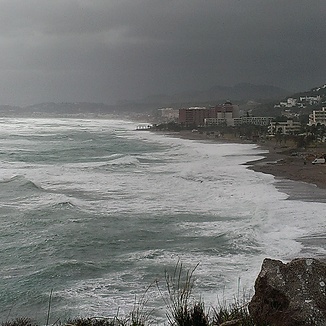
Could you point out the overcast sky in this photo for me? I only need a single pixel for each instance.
(109, 50)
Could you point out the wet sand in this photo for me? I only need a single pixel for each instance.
(283, 162)
(287, 163)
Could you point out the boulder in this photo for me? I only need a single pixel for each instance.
(291, 294)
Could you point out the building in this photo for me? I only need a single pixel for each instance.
(237, 121)
(257, 121)
(300, 102)
(288, 127)
(291, 102)
(193, 116)
(317, 117)
(223, 115)
(201, 116)
(311, 100)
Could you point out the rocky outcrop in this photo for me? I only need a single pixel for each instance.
(291, 294)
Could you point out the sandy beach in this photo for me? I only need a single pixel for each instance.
(291, 164)
(283, 162)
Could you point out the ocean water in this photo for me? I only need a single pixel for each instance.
(97, 212)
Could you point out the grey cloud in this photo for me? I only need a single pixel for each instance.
(106, 50)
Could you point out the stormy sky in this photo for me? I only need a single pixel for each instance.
(109, 50)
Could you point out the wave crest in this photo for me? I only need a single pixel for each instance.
(21, 182)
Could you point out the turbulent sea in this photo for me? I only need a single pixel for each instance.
(97, 212)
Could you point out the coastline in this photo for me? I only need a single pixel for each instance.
(283, 162)
(289, 164)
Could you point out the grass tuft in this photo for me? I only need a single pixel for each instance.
(92, 322)
(19, 322)
(183, 310)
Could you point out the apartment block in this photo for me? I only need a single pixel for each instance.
(317, 117)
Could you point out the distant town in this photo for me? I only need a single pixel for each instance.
(252, 112)
(301, 117)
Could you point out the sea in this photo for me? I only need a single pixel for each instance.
(94, 215)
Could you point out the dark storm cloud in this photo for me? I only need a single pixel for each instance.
(106, 50)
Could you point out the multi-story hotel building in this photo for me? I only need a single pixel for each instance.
(317, 117)
(200, 116)
(257, 121)
(284, 127)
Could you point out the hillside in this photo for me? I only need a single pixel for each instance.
(301, 103)
(319, 90)
(241, 92)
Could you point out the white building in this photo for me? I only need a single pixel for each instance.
(311, 100)
(284, 127)
(317, 117)
(228, 120)
(257, 121)
(291, 102)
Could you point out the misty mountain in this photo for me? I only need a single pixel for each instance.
(212, 96)
(215, 95)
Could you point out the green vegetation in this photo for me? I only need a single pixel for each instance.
(183, 309)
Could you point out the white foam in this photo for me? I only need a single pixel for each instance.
(210, 207)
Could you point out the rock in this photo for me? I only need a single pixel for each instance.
(291, 294)
(236, 322)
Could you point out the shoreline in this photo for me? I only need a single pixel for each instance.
(283, 162)
(290, 164)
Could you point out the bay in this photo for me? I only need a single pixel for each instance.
(96, 212)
